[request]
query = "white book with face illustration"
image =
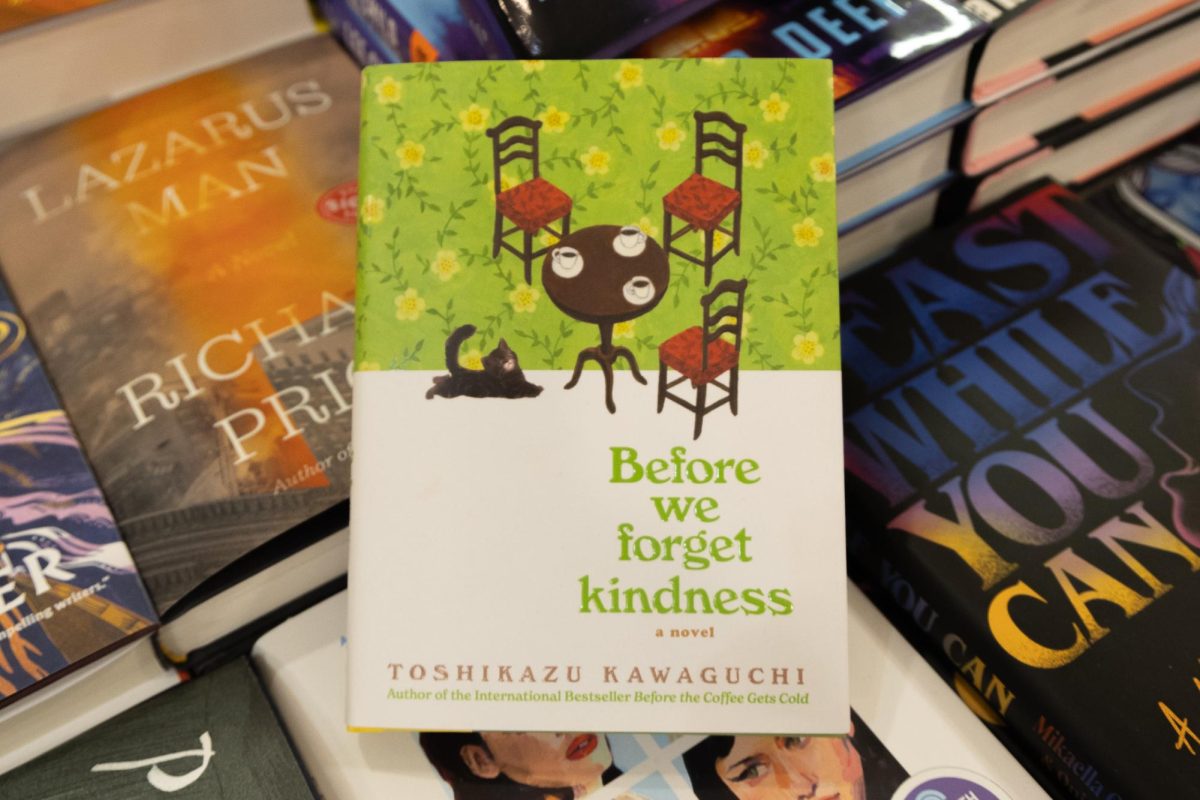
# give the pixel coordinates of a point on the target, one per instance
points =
(912, 735)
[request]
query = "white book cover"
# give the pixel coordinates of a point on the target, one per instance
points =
(597, 429)
(912, 740)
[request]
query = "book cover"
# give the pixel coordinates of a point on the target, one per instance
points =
(594, 298)
(213, 738)
(911, 735)
(1021, 466)
(69, 592)
(361, 40)
(870, 44)
(1159, 198)
(566, 29)
(425, 30)
(16, 14)
(184, 261)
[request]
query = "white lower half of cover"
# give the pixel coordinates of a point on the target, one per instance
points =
(475, 522)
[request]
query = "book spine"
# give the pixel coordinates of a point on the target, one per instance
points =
(360, 41)
(1034, 731)
(492, 33)
(389, 24)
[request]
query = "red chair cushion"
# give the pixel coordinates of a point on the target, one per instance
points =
(701, 202)
(534, 204)
(683, 353)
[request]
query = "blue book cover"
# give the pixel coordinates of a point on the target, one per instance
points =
(362, 41)
(1023, 479)
(69, 591)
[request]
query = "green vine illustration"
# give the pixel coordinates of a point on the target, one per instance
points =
(551, 347)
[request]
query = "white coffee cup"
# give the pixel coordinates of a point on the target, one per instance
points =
(566, 262)
(631, 241)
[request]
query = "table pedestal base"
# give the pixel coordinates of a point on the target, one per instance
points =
(606, 358)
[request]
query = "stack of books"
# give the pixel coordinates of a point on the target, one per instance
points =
(919, 280)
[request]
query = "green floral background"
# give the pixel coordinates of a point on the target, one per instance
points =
(616, 137)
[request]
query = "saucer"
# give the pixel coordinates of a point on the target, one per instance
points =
(628, 252)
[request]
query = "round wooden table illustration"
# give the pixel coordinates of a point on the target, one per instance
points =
(606, 274)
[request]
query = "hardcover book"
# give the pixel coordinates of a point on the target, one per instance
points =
(362, 41)
(1021, 465)
(567, 29)
(1029, 41)
(899, 67)
(69, 592)
(424, 30)
(910, 735)
(1159, 198)
(593, 298)
(184, 260)
(213, 738)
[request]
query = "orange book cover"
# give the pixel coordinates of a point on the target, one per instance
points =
(186, 263)
(19, 13)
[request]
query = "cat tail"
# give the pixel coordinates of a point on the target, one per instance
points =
(454, 344)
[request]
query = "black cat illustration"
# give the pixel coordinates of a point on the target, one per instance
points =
(501, 375)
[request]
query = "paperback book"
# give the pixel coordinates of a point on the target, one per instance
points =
(69, 591)
(587, 323)
(18, 13)
(184, 261)
(1022, 465)
(212, 738)
(910, 735)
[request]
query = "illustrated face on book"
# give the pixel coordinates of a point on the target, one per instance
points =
(500, 766)
(776, 768)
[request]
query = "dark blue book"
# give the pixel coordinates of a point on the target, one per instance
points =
(1023, 479)
(570, 29)
(363, 42)
(69, 591)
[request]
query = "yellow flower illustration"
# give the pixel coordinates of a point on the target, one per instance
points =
(670, 136)
(729, 337)
(524, 299)
(648, 227)
(533, 65)
(368, 366)
(720, 239)
(630, 75)
(472, 359)
(445, 265)
(807, 347)
(596, 161)
(506, 182)
(554, 120)
(824, 168)
(756, 154)
(714, 62)
(409, 306)
(774, 108)
(624, 330)
(474, 118)
(548, 239)
(389, 91)
(807, 233)
(370, 210)
(411, 154)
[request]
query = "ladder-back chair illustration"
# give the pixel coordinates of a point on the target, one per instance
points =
(704, 354)
(532, 205)
(704, 204)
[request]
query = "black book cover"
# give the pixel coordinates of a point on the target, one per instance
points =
(1022, 478)
(214, 738)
